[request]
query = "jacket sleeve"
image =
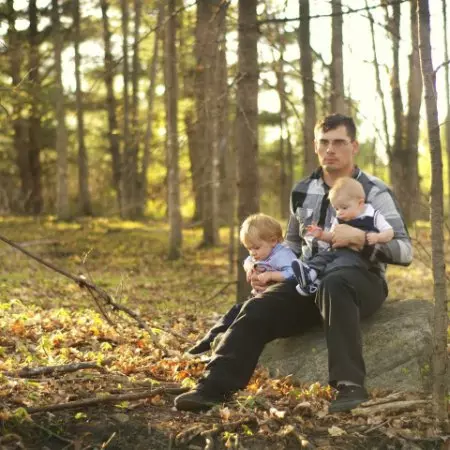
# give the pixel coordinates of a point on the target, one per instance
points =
(399, 250)
(292, 238)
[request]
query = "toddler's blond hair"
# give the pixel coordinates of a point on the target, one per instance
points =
(346, 188)
(260, 227)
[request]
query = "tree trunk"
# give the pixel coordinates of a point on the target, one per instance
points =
(135, 135)
(113, 127)
(62, 202)
(309, 101)
(440, 357)
(173, 178)
(380, 91)
(19, 125)
(34, 201)
(337, 100)
(83, 166)
(413, 206)
(150, 108)
(127, 173)
(447, 97)
(209, 16)
(247, 125)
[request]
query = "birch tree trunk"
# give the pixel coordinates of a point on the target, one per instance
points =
(309, 102)
(113, 127)
(337, 99)
(247, 125)
(19, 125)
(440, 357)
(83, 165)
(34, 201)
(173, 178)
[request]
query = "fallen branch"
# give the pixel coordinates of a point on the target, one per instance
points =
(105, 399)
(389, 408)
(30, 372)
(92, 288)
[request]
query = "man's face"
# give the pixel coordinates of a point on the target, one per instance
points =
(335, 150)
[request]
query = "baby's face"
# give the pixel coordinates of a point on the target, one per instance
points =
(348, 208)
(260, 249)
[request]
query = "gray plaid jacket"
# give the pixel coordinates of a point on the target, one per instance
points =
(310, 204)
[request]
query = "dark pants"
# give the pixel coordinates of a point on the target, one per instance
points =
(332, 259)
(345, 296)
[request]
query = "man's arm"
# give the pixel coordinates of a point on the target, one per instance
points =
(293, 239)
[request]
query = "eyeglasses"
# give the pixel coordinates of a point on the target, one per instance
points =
(335, 143)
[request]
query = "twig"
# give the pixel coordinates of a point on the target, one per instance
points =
(389, 408)
(83, 283)
(105, 399)
(220, 291)
(30, 372)
(51, 433)
(105, 444)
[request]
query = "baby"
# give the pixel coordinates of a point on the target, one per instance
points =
(348, 199)
(261, 235)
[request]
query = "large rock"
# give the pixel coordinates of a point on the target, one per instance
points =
(397, 349)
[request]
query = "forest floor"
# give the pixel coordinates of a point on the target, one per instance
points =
(122, 397)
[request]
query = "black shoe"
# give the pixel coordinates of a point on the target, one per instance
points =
(198, 400)
(199, 348)
(348, 398)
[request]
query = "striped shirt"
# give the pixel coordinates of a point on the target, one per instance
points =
(310, 204)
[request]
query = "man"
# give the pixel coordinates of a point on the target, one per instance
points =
(345, 295)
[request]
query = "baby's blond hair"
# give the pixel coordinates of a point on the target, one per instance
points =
(260, 227)
(346, 188)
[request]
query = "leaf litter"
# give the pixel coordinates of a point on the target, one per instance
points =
(119, 391)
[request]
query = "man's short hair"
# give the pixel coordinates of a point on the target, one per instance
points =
(334, 121)
(260, 227)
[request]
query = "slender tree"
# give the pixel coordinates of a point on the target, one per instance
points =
(34, 201)
(19, 126)
(247, 124)
(337, 100)
(153, 66)
(309, 100)
(447, 96)
(83, 165)
(440, 357)
(113, 126)
(173, 177)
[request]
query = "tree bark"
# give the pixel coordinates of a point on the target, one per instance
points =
(150, 109)
(62, 202)
(83, 165)
(247, 125)
(413, 206)
(447, 98)
(440, 357)
(113, 127)
(19, 125)
(34, 201)
(309, 101)
(337, 100)
(173, 178)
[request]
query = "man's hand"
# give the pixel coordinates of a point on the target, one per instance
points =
(348, 236)
(257, 284)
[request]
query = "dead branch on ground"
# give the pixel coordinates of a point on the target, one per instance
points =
(105, 399)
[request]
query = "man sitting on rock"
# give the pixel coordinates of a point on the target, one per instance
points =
(345, 295)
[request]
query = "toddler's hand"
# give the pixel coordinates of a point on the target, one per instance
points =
(372, 238)
(264, 277)
(315, 230)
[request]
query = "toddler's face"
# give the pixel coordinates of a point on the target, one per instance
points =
(348, 208)
(260, 249)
